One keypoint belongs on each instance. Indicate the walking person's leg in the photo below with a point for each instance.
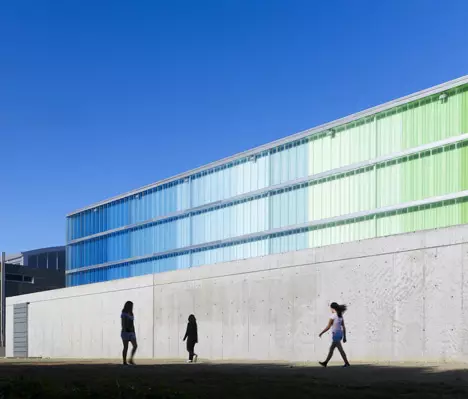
(134, 349)
(342, 353)
(330, 354)
(190, 349)
(124, 351)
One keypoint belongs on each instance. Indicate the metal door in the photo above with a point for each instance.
(20, 330)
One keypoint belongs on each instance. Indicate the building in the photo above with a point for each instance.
(20, 280)
(43, 258)
(395, 168)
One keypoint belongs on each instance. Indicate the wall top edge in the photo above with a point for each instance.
(381, 246)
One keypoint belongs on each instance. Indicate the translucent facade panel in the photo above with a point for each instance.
(289, 162)
(422, 122)
(429, 217)
(125, 270)
(239, 219)
(147, 205)
(441, 171)
(230, 181)
(142, 241)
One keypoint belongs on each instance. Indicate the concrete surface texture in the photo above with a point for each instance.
(407, 297)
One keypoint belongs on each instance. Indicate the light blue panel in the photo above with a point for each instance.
(147, 205)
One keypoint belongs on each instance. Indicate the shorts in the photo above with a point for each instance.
(337, 336)
(128, 336)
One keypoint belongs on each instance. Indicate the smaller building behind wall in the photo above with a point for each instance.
(34, 271)
(20, 280)
(52, 258)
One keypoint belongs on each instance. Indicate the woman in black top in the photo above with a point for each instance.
(128, 332)
(191, 335)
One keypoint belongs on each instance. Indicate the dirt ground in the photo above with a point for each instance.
(101, 379)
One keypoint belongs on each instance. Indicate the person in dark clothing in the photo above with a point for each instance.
(191, 335)
(128, 332)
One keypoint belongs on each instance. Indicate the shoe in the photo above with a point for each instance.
(347, 365)
(189, 361)
(323, 364)
(195, 358)
(131, 362)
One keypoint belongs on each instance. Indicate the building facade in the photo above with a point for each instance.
(52, 258)
(395, 168)
(21, 280)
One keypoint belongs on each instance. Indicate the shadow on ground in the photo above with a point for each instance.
(59, 380)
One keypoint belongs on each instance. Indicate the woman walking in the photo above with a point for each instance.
(128, 332)
(191, 335)
(336, 323)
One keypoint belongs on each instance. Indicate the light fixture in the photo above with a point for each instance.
(187, 179)
(253, 158)
(443, 98)
(95, 210)
(331, 133)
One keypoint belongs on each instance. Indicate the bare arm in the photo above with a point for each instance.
(330, 323)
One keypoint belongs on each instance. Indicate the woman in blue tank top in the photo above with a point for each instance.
(337, 325)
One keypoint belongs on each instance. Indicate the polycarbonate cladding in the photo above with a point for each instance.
(427, 174)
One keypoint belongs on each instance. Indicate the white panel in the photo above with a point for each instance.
(259, 318)
(443, 303)
(235, 318)
(9, 331)
(408, 286)
(304, 329)
(281, 314)
(464, 327)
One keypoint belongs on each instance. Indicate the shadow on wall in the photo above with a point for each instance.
(210, 380)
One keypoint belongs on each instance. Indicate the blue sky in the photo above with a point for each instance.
(100, 97)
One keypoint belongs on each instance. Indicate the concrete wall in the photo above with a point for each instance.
(407, 297)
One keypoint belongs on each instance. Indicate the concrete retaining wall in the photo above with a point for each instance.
(407, 297)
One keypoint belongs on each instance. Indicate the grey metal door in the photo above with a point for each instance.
(20, 330)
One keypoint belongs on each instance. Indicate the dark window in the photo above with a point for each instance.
(42, 261)
(18, 278)
(32, 261)
(13, 277)
(52, 260)
(61, 260)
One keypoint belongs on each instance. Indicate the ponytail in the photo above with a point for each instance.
(340, 309)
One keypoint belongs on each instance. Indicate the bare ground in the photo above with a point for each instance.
(107, 379)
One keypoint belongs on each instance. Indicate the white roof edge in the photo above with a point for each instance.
(337, 122)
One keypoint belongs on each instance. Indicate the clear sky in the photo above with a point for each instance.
(100, 97)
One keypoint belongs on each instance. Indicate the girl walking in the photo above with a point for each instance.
(191, 335)
(128, 332)
(337, 325)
